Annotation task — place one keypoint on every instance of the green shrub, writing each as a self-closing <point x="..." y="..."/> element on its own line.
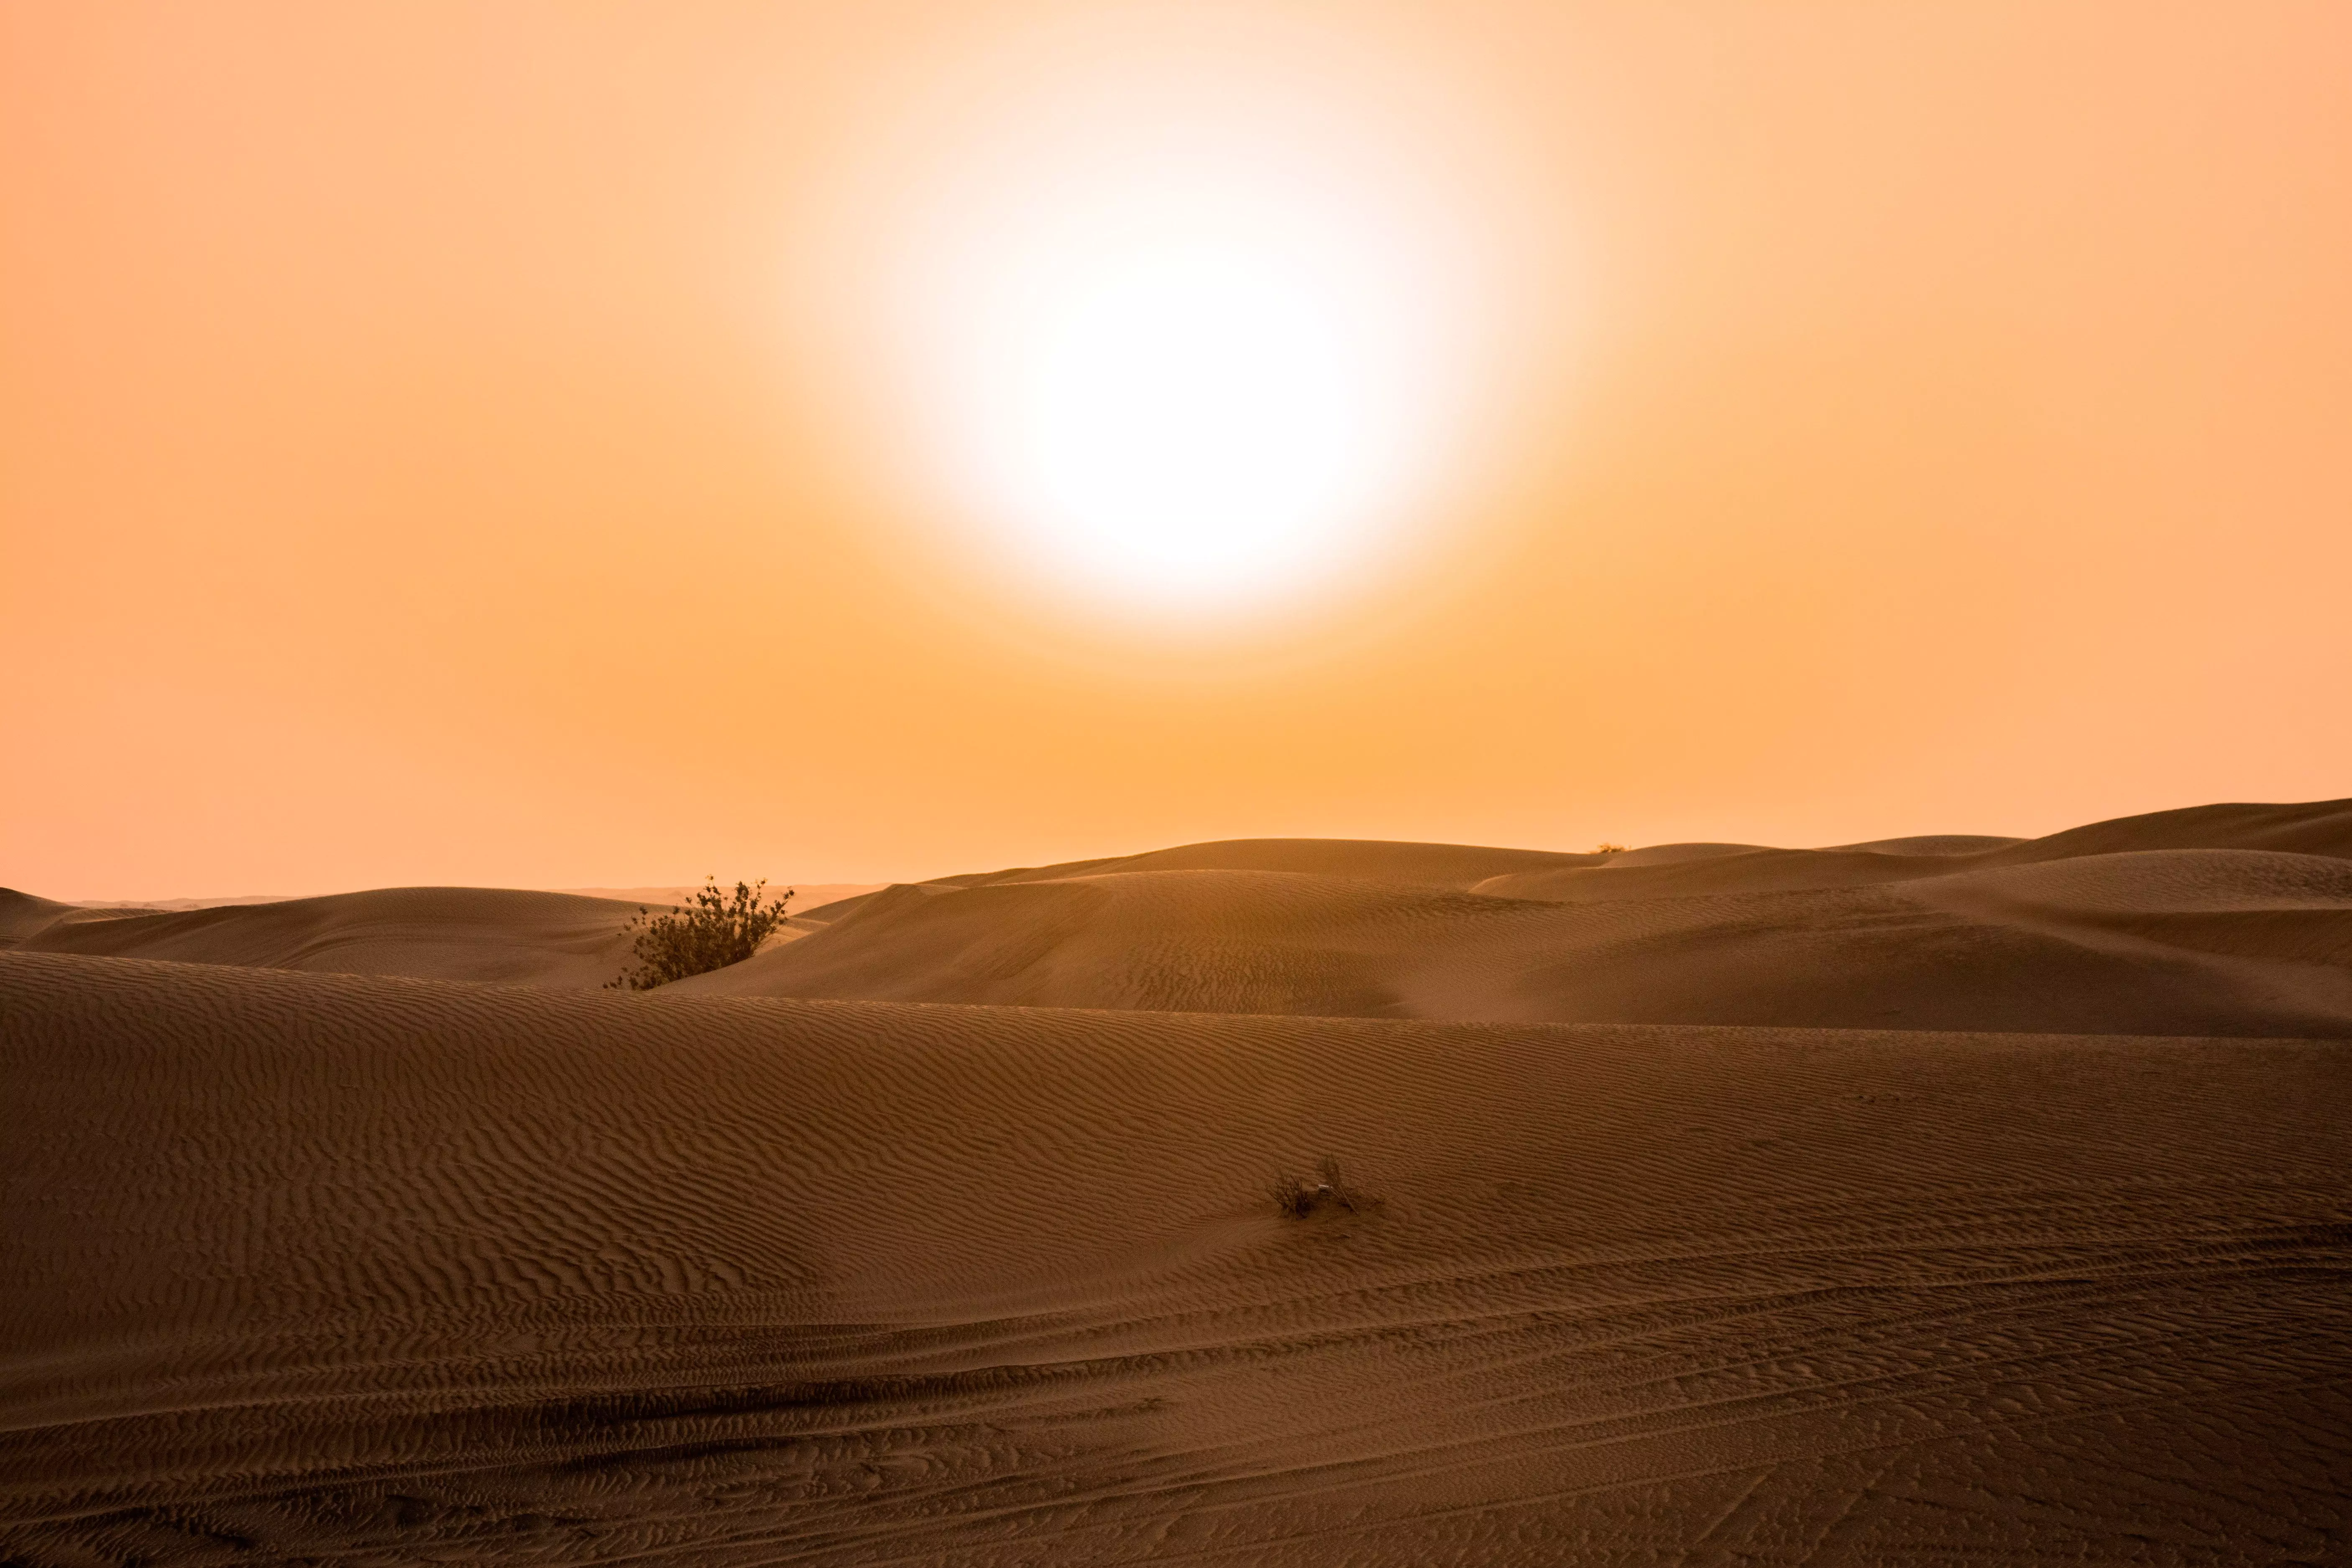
<point x="710" y="932"/>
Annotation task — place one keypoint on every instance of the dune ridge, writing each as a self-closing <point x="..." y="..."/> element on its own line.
<point x="2219" y="919"/>
<point x="2222" y="919"/>
<point x="315" y="1266"/>
<point x="496" y="935"/>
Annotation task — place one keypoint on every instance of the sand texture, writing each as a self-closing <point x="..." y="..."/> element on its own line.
<point x="494" y="935"/>
<point x="350" y="1269"/>
<point x="2221" y="920"/>
<point x="333" y="1268"/>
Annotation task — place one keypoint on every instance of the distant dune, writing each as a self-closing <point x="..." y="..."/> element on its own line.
<point x="2223" y="920"/>
<point x="1941" y="1200"/>
<point x="2230" y="920"/>
<point x="496" y="935"/>
<point x="805" y="895"/>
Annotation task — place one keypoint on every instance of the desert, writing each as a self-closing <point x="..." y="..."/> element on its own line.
<point x="369" y="1228"/>
<point x="1049" y="783"/>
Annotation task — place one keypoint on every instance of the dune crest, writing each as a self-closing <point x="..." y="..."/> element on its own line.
<point x="2225" y="920"/>
<point x="2194" y="923"/>
<point x="495" y="935"/>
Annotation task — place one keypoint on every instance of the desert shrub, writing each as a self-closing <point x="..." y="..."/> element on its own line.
<point x="1607" y="849"/>
<point x="711" y="932"/>
<point x="1297" y="1198"/>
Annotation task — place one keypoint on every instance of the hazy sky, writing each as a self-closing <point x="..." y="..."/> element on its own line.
<point x="565" y="444"/>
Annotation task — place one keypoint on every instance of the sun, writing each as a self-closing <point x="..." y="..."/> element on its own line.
<point x="1186" y="399"/>
<point x="1176" y="345"/>
<point x="1195" y="416"/>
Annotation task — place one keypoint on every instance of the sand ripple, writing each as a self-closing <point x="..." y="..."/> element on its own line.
<point x="375" y="1271"/>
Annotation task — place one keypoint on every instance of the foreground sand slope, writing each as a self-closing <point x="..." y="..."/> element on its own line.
<point x="499" y="935"/>
<point x="2191" y="922"/>
<point x="378" y="1270"/>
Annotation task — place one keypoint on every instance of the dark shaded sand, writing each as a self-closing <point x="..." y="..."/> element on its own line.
<point x="365" y="1270"/>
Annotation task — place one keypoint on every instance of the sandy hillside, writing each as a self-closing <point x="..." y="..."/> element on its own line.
<point x="321" y="1268"/>
<point x="1941" y="1199"/>
<point x="2221" y="921"/>
<point x="22" y="915"/>
<point x="563" y="941"/>
<point x="500" y="936"/>
<point x="2228" y="920"/>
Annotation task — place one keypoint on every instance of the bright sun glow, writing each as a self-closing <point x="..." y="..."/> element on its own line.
<point x="1192" y="404"/>
<point x="1179" y="354"/>
<point x="1192" y="416"/>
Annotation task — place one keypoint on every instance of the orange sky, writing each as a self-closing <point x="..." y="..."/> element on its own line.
<point x="442" y="443"/>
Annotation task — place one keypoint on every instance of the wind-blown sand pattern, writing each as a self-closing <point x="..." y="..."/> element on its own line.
<point x="2221" y="921"/>
<point x="327" y="1267"/>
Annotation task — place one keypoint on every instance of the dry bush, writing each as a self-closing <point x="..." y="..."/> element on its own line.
<point x="710" y="932"/>
<point x="1605" y="847"/>
<point x="1295" y="1198"/>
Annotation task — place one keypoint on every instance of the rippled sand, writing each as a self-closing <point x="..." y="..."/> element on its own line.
<point x="376" y="1269"/>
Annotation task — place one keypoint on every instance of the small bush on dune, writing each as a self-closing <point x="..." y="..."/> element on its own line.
<point x="710" y="932"/>
<point x="1294" y="1198"/>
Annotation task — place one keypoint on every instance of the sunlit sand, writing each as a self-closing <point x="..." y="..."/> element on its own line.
<point x="1947" y="1198"/>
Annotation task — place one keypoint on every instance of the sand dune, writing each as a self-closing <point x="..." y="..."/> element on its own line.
<point x="2227" y="920"/>
<point x="805" y="895"/>
<point x="22" y="915"/>
<point x="564" y="941"/>
<point x="2321" y="827"/>
<point x="1379" y="860"/>
<point x="1936" y="844"/>
<point x="497" y="935"/>
<point x="2166" y="924"/>
<point x="369" y="1270"/>
<point x="1426" y="864"/>
<point x="1677" y="854"/>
